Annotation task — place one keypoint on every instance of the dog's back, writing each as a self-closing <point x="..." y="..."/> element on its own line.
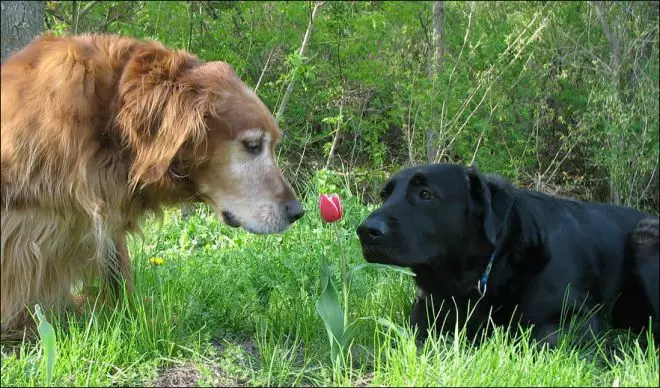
<point x="620" y="242"/>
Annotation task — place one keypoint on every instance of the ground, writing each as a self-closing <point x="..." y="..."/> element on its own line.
<point x="222" y="307"/>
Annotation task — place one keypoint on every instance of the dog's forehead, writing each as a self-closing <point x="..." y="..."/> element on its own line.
<point x="448" y="179"/>
<point x="440" y="173"/>
<point x="269" y="125"/>
<point x="239" y="110"/>
<point x="250" y="114"/>
<point x="447" y="173"/>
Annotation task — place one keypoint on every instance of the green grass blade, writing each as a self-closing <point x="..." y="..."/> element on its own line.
<point x="355" y="269"/>
<point x="48" y="342"/>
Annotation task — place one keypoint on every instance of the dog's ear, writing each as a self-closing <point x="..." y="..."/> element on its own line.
<point x="481" y="201"/>
<point x="492" y="200"/>
<point x="157" y="113"/>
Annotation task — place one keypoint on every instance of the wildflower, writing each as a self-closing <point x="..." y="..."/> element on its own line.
<point x="330" y="206"/>
<point x="157" y="261"/>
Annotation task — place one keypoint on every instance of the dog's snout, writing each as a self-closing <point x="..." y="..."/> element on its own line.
<point x="294" y="210"/>
<point x="373" y="228"/>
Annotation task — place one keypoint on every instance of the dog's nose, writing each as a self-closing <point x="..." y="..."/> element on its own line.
<point x="373" y="228"/>
<point x="293" y="210"/>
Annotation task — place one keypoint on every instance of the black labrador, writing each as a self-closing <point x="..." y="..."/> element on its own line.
<point x="525" y="257"/>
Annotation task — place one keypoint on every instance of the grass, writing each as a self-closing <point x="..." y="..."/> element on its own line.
<point x="229" y="308"/>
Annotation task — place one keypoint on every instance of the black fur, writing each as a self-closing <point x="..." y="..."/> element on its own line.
<point x="552" y="255"/>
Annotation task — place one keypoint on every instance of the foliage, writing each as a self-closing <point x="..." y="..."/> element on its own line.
<point x="536" y="91"/>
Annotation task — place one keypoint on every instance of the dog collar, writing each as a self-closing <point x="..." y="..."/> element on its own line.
<point x="483" y="281"/>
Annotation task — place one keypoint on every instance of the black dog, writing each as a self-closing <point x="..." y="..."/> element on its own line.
<point x="526" y="257"/>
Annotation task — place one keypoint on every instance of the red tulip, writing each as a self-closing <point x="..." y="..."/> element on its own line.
<point x="330" y="206"/>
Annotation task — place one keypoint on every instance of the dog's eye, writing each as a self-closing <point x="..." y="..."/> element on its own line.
<point x="253" y="146"/>
<point x="425" y="195"/>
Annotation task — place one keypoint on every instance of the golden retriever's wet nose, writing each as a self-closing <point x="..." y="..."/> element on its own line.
<point x="294" y="210"/>
<point x="372" y="229"/>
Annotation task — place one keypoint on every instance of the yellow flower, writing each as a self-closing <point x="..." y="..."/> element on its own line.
<point x="157" y="261"/>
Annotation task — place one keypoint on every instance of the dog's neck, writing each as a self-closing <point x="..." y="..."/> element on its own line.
<point x="467" y="272"/>
<point x="456" y="277"/>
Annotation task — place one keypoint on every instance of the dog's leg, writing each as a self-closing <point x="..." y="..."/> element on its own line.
<point x="119" y="267"/>
<point x="419" y="317"/>
<point x="550" y="332"/>
<point x="14" y="315"/>
<point x="26" y="278"/>
<point x="547" y="333"/>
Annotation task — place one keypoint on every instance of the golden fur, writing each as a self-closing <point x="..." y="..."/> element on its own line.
<point x="97" y="130"/>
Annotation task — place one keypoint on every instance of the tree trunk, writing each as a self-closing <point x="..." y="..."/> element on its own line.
<point x="436" y="70"/>
<point x="301" y="52"/>
<point x="615" y="63"/>
<point x="439" y="34"/>
<point x="612" y="38"/>
<point x="21" y="22"/>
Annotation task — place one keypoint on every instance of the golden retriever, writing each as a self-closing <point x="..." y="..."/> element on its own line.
<point x="98" y="130"/>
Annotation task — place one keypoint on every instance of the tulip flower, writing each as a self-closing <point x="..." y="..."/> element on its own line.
<point x="330" y="206"/>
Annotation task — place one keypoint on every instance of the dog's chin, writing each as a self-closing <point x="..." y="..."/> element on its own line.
<point x="392" y="256"/>
<point x="383" y="255"/>
<point x="232" y="220"/>
<point x="265" y="230"/>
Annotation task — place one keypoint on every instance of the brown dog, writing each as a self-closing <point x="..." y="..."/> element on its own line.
<point x="98" y="130"/>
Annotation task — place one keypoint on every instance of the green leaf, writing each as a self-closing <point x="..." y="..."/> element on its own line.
<point x="48" y="342"/>
<point x="349" y="332"/>
<point x="329" y="309"/>
<point x="403" y="270"/>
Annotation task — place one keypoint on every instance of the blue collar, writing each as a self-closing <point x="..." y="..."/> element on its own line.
<point x="483" y="281"/>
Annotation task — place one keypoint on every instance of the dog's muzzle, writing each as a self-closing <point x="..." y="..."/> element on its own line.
<point x="294" y="211"/>
<point x="230" y="220"/>
<point x="373" y="230"/>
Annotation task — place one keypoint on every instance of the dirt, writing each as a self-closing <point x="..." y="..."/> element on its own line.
<point x="188" y="375"/>
<point x="178" y="376"/>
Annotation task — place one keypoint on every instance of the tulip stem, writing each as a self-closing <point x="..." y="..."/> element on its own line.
<point x="344" y="279"/>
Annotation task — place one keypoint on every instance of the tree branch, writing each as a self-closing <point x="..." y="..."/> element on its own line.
<point x="263" y="71"/>
<point x="301" y="52"/>
<point x="439" y="34"/>
<point x="87" y="8"/>
<point x="57" y="16"/>
<point x="611" y="37"/>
